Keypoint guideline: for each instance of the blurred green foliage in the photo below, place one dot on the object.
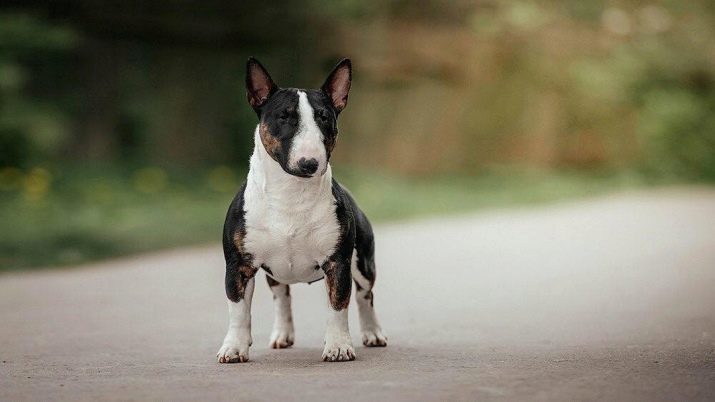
(73, 215)
(115, 115)
(31, 128)
(440, 86)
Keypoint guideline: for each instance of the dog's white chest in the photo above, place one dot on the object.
(290, 236)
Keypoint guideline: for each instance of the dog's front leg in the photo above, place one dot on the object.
(239, 290)
(338, 281)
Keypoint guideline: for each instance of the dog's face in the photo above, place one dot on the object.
(298, 127)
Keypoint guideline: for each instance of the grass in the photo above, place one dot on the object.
(54, 217)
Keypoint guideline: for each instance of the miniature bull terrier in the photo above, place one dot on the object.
(295, 222)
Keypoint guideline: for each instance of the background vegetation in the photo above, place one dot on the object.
(124, 126)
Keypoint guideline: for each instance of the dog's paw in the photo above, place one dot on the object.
(374, 337)
(281, 339)
(338, 352)
(232, 353)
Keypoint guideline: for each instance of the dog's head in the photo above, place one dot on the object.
(298, 127)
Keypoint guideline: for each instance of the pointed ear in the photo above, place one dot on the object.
(337, 85)
(259, 85)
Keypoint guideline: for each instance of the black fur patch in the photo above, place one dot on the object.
(364, 240)
(239, 264)
(337, 267)
(280, 123)
(272, 282)
(265, 268)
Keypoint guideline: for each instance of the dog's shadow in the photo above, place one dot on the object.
(302, 357)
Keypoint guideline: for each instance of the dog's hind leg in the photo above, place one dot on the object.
(283, 333)
(363, 273)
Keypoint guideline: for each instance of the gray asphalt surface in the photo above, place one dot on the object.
(604, 299)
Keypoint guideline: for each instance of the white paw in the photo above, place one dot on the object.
(373, 337)
(338, 352)
(282, 338)
(232, 353)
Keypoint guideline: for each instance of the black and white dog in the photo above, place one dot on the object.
(294, 221)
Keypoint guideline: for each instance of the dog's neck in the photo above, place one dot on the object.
(275, 184)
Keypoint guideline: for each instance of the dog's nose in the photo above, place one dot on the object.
(308, 166)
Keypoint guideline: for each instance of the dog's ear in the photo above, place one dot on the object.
(259, 85)
(337, 85)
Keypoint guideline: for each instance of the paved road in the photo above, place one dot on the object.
(605, 299)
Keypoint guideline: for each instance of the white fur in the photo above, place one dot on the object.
(238, 338)
(338, 344)
(369, 326)
(357, 276)
(308, 142)
(283, 332)
(291, 225)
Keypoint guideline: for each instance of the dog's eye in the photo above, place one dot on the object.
(287, 116)
(321, 115)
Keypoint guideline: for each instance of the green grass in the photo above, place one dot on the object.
(69, 216)
(386, 198)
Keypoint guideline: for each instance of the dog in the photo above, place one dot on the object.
(292, 220)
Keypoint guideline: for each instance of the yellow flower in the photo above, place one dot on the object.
(36, 184)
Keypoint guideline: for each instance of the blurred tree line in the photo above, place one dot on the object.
(439, 86)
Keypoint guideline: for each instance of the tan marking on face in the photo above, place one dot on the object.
(330, 277)
(270, 143)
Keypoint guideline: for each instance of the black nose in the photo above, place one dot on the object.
(308, 166)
